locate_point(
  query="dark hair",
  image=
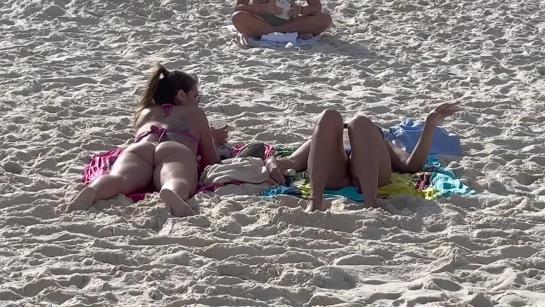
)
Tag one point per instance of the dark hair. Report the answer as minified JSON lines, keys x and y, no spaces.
{"x":163,"y":90}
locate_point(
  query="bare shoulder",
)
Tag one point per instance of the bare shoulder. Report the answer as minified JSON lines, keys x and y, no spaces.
{"x":145,"y":112}
{"x":196,"y":115}
{"x":195,"y":112}
{"x":142,"y":118}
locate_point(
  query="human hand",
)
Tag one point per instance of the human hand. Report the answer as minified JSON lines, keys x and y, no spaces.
{"x":275,"y":171}
{"x":441,"y":112}
{"x":220,"y":135}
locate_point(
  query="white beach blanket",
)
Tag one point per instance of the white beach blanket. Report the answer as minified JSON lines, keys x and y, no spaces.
{"x":274,"y":40}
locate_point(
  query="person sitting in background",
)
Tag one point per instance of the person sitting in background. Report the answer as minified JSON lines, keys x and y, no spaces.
{"x":266,"y":16}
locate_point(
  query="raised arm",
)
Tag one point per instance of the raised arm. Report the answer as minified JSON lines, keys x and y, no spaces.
{"x":207,"y":148}
{"x":415,"y":161}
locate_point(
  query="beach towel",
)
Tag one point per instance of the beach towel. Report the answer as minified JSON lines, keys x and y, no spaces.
{"x":101,"y":164}
{"x":406,"y":135}
{"x":277,"y":40}
{"x":434,"y":182}
{"x":273,"y":40}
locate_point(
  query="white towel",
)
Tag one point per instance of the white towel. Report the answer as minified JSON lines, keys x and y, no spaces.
{"x":247,"y":169}
{"x":278,"y":37}
{"x":289,"y":41}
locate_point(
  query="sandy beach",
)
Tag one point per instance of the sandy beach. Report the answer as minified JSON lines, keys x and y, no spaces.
{"x":70,"y":76}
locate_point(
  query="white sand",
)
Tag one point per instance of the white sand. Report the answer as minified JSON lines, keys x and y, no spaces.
{"x":71,"y":71}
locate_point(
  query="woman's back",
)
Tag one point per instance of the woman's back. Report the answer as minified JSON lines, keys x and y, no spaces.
{"x":170,"y":123}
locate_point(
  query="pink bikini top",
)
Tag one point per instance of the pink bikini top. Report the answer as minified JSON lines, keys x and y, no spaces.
{"x":163,"y":133}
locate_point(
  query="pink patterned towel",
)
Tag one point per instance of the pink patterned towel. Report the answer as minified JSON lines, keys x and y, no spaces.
{"x":101,"y":164}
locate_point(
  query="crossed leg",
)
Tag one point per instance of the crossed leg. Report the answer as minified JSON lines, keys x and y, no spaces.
{"x":255,"y":26}
{"x":314,"y":24}
{"x":327,"y":161}
{"x":131,"y":171}
{"x":175,"y":176}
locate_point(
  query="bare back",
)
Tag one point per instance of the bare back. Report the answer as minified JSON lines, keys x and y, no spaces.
{"x":182,"y":124}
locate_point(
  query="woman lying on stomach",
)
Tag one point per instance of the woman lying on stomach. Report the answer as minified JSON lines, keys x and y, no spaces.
{"x":171,"y":130}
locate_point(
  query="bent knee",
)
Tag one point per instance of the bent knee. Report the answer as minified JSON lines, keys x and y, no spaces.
{"x":240,"y":17}
{"x":330,"y":118}
{"x":325,"y":19}
{"x":361,"y":123}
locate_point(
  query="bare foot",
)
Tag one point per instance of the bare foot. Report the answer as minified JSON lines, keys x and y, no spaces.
{"x":178,"y":207}
{"x":82,"y":201}
{"x":316,"y":204}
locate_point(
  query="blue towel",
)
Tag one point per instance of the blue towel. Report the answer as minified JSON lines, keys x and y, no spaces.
{"x":350,"y":192}
{"x":407,"y":133}
{"x":448,"y":186}
{"x":443,"y":181}
{"x":282,"y":190}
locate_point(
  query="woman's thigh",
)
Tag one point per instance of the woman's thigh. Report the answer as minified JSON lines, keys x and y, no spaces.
{"x":135,"y":164}
{"x":175,"y":161}
{"x":339,"y":172}
{"x":385,"y":166}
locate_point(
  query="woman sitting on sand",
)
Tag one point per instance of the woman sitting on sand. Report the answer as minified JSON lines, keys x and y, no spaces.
{"x":266,"y":16}
{"x":171,"y":130}
{"x":356,"y":156}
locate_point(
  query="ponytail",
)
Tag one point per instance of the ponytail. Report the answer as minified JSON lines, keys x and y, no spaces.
{"x":147,"y":99}
{"x":163,"y":90}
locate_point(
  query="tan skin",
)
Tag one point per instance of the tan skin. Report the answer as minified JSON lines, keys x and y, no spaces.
{"x":171,"y":166}
{"x":307,"y":20}
{"x":370,"y":164}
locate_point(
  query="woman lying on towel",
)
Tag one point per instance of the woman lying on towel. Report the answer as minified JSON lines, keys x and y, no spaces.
{"x":171,"y":130}
{"x":354,"y":154}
